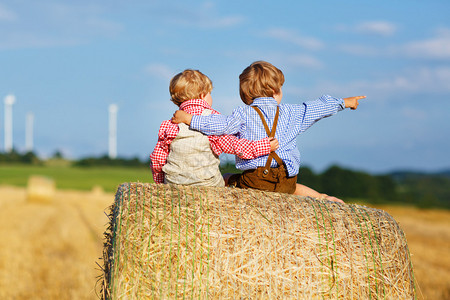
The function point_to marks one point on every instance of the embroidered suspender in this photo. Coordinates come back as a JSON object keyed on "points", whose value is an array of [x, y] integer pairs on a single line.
{"points": [[270, 133]]}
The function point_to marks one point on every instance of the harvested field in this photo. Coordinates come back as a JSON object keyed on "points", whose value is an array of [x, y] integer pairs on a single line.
{"points": [[428, 235], [49, 251]]}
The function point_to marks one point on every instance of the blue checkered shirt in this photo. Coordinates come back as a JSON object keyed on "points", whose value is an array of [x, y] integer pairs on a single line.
{"points": [[293, 119]]}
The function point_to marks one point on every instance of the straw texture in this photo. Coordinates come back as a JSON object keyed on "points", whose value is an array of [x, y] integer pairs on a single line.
{"points": [[173, 242]]}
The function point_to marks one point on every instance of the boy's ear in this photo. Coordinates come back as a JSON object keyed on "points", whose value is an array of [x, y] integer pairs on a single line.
{"points": [[202, 96]]}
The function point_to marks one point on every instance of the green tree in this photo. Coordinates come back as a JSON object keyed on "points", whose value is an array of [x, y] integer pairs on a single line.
{"points": [[306, 176]]}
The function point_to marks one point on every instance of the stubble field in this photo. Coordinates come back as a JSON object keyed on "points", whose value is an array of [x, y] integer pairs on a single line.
{"points": [[50, 250]]}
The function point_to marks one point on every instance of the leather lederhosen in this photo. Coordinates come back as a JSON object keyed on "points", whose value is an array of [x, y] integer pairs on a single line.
{"points": [[266, 178]]}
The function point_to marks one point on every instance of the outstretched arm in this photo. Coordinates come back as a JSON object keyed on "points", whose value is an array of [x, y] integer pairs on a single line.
{"points": [[325, 106]]}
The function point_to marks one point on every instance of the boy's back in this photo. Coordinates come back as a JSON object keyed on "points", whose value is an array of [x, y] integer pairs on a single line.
{"points": [[260, 85], [191, 161], [293, 120], [184, 156]]}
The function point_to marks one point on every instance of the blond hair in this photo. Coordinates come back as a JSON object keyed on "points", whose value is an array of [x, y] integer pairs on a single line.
{"points": [[260, 79], [189, 84]]}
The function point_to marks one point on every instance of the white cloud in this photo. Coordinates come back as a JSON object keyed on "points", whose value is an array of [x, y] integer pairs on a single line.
{"points": [[23, 39], [443, 31], [303, 60], [57, 25], [436, 48], [227, 21], [204, 16], [282, 60], [295, 38], [361, 50], [161, 71], [80, 19], [381, 28], [410, 81], [289, 62], [210, 18], [6, 15]]}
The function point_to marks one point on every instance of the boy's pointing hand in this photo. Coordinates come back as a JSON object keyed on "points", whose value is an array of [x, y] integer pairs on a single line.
{"points": [[352, 102], [181, 116]]}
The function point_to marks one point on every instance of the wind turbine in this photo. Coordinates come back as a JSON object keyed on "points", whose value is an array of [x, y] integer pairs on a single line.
{"points": [[113, 108], [9, 101], [29, 132]]}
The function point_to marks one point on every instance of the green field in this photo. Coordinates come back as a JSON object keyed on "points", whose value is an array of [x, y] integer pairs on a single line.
{"points": [[76, 178]]}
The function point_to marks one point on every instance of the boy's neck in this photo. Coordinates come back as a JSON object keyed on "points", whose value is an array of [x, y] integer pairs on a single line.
{"points": [[278, 96]]}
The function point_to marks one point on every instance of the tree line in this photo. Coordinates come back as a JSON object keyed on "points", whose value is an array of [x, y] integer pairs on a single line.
{"points": [[15, 157], [414, 188]]}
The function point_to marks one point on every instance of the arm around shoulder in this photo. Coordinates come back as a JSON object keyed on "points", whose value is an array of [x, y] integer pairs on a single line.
{"points": [[243, 148], [180, 116]]}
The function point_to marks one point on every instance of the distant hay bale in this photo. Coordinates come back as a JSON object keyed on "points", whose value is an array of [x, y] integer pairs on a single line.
{"points": [[97, 190], [170, 242], [40, 189]]}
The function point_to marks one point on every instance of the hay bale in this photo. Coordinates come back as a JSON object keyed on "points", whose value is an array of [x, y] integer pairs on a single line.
{"points": [[40, 189], [97, 191], [170, 242]]}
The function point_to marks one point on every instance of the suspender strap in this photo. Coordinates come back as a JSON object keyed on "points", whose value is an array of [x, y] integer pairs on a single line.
{"points": [[270, 133]]}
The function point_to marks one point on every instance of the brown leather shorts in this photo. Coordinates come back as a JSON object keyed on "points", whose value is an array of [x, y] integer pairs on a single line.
{"points": [[276, 180]]}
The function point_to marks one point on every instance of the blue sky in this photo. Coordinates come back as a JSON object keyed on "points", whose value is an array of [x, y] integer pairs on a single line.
{"points": [[67, 61]]}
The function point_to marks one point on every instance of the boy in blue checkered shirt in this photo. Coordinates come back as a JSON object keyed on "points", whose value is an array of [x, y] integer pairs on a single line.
{"points": [[260, 89]]}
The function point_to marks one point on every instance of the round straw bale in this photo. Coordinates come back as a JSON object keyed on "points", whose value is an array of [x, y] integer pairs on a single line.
{"points": [[97, 190], [40, 189], [169, 242]]}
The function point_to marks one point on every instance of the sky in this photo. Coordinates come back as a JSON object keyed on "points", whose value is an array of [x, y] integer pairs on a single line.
{"points": [[67, 61]]}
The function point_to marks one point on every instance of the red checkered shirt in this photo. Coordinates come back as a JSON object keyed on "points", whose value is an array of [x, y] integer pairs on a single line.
{"points": [[230, 144]]}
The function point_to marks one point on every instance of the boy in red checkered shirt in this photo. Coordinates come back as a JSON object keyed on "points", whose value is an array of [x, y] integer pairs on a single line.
{"points": [[188, 157]]}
